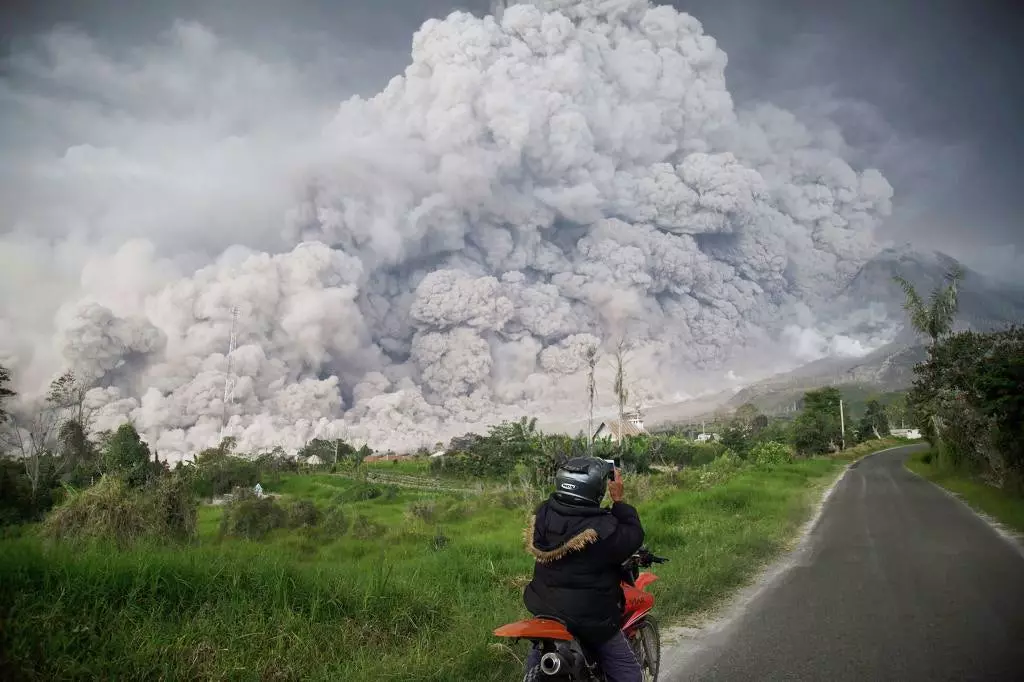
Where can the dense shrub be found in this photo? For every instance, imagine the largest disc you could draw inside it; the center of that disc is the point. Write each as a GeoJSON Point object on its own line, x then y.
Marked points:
{"type": "Point", "coordinates": [364, 528]}
{"type": "Point", "coordinates": [114, 510]}
{"type": "Point", "coordinates": [363, 490]}
{"type": "Point", "coordinates": [771, 453]}
{"type": "Point", "coordinates": [18, 504]}
{"type": "Point", "coordinates": [335, 522]}
{"type": "Point", "coordinates": [967, 398]}
{"type": "Point", "coordinates": [217, 473]}
{"type": "Point", "coordinates": [302, 514]}
{"type": "Point", "coordinates": [251, 517]}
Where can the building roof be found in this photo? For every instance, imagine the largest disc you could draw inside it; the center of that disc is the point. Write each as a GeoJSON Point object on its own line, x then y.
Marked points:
{"type": "Point", "coordinates": [619, 429]}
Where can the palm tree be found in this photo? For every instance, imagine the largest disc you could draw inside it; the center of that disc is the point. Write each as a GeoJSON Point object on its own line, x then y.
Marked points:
{"type": "Point", "coordinates": [935, 318]}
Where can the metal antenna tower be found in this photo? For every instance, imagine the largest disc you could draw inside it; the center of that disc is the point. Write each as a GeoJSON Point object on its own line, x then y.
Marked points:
{"type": "Point", "coordinates": [228, 379]}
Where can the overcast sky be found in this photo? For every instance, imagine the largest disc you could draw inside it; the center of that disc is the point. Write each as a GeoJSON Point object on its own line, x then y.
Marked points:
{"type": "Point", "coordinates": [931, 96]}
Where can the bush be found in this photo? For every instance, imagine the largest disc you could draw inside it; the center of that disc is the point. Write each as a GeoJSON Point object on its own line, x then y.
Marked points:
{"type": "Point", "coordinates": [17, 503]}
{"type": "Point", "coordinates": [251, 517]}
{"type": "Point", "coordinates": [439, 541]}
{"type": "Point", "coordinates": [335, 522]}
{"type": "Point", "coordinates": [422, 510]}
{"type": "Point", "coordinates": [683, 453]}
{"type": "Point", "coordinates": [363, 528]}
{"type": "Point", "coordinates": [303, 514]}
{"type": "Point", "coordinates": [113, 510]}
{"type": "Point", "coordinates": [217, 473]}
{"type": "Point", "coordinates": [771, 453]}
{"type": "Point", "coordinates": [363, 490]}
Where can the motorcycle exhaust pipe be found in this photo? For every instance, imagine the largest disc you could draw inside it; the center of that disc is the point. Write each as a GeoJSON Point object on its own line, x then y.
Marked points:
{"type": "Point", "coordinates": [551, 663]}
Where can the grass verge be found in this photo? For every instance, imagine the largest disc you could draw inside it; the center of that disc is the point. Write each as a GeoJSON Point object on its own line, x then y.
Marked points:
{"type": "Point", "coordinates": [392, 604]}
{"type": "Point", "coordinates": [1002, 506]}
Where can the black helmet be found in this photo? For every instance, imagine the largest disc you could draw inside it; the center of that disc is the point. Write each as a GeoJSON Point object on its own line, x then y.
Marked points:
{"type": "Point", "coordinates": [583, 480]}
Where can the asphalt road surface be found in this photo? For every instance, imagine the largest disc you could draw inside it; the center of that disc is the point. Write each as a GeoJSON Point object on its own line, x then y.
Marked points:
{"type": "Point", "coordinates": [897, 581]}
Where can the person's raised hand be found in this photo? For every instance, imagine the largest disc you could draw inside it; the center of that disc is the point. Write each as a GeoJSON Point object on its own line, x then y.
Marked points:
{"type": "Point", "coordinates": [615, 488]}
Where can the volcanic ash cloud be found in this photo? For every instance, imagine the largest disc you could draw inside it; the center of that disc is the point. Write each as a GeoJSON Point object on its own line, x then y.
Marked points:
{"type": "Point", "coordinates": [526, 188]}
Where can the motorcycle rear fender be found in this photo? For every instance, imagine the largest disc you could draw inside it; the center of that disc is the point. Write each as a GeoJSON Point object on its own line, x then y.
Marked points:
{"type": "Point", "coordinates": [535, 628]}
{"type": "Point", "coordinates": [645, 579]}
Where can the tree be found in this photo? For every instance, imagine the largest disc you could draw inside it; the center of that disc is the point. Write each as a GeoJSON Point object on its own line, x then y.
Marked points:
{"type": "Point", "coordinates": [967, 399]}
{"type": "Point", "coordinates": [5, 392]}
{"type": "Point", "coordinates": [896, 411]}
{"type": "Point", "coordinates": [327, 450]}
{"type": "Point", "coordinates": [67, 394]}
{"type": "Point", "coordinates": [734, 438]}
{"type": "Point", "coordinates": [745, 416]}
{"type": "Point", "coordinates": [127, 456]}
{"type": "Point", "coordinates": [935, 318]}
{"type": "Point", "coordinates": [874, 423]}
{"type": "Point", "coordinates": [817, 429]}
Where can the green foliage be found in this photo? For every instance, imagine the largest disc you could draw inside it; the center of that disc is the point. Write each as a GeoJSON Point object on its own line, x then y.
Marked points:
{"type": "Point", "coordinates": [372, 603]}
{"type": "Point", "coordinates": [125, 455]}
{"type": "Point", "coordinates": [18, 502]}
{"type": "Point", "coordinates": [934, 318]}
{"type": "Point", "coordinates": [771, 453]}
{"type": "Point", "coordinates": [335, 522]}
{"type": "Point", "coordinates": [508, 448]}
{"type": "Point", "coordinates": [817, 430]}
{"type": "Point", "coordinates": [779, 430]}
{"type": "Point", "coordinates": [80, 457]}
{"type": "Point", "coordinates": [251, 517]}
{"type": "Point", "coordinates": [113, 510]}
{"type": "Point", "coordinates": [365, 528]}
{"type": "Point", "coordinates": [967, 400]}
{"type": "Point", "coordinates": [734, 438]}
{"type": "Point", "coordinates": [331, 451]}
{"type": "Point", "coordinates": [874, 423]}
{"type": "Point", "coordinates": [217, 472]}
{"type": "Point", "coordinates": [5, 391]}
{"type": "Point", "coordinates": [363, 490]}
{"type": "Point", "coordinates": [1006, 506]}
{"type": "Point", "coordinates": [303, 514]}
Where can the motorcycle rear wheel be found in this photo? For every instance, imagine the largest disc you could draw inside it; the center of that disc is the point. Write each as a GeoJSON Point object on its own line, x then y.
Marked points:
{"type": "Point", "coordinates": [647, 647]}
{"type": "Point", "coordinates": [533, 674]}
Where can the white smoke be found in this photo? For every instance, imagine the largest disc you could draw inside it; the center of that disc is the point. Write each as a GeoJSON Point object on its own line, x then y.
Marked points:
{"type": "Point", "coordinates": [430, 258]}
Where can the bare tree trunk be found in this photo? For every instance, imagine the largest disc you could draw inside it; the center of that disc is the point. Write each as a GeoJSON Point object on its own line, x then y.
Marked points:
{"type": "Point", "coordinates": [591, 355]}
{"type": "Point", "coordinates": [620, 390]}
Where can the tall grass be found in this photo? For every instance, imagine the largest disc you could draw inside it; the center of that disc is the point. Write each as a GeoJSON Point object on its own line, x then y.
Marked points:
{"type": "Point", "coordinates": [398, 603]}
{"type": "Point", "coordinates": [998, 503]}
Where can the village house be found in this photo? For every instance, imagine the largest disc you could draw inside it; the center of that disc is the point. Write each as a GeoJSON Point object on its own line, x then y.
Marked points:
{"type": "Point", "coordinates": [614, 430]}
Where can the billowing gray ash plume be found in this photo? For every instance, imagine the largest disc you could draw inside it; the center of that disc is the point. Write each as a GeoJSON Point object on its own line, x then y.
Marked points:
{"type": "Point", "coordinates": [437, 255]}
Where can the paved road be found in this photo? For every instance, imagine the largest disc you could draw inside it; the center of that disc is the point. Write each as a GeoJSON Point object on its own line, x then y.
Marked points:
{"type": "Point", "coordinates": [898, 581]}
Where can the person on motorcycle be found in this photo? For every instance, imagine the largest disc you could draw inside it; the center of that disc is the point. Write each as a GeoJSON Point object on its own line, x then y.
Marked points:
{"type": "Point", "coordinates": [579, 547]}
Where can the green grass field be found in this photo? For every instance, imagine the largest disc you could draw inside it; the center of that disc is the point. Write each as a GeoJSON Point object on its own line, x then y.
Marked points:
{"type": "Point", "coordinates": [1004, 507]}
{"type": "Point", "coordinates": [409, 596]}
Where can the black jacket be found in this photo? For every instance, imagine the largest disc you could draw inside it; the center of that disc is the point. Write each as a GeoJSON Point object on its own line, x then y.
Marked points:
{"type": "Point", "coordinates": [579, 553]}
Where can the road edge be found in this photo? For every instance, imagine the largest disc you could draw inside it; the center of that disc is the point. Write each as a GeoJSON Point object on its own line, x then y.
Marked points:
{"type": "Point", "coordinates": [681, 643]}
{"type": "Point", "coordinates": [1011, 537]}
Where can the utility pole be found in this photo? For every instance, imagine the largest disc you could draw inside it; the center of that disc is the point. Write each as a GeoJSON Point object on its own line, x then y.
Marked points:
{"type": "Point", "coordinates": [842, 424]}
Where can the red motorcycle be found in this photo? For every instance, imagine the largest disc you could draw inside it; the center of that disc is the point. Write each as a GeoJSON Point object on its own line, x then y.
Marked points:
{"type": "Point", "coordinates": [562, 655]}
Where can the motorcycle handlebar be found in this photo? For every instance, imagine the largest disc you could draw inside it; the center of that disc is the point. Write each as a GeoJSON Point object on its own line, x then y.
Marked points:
{"type": "Point", "coordinates": [643, 557]}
